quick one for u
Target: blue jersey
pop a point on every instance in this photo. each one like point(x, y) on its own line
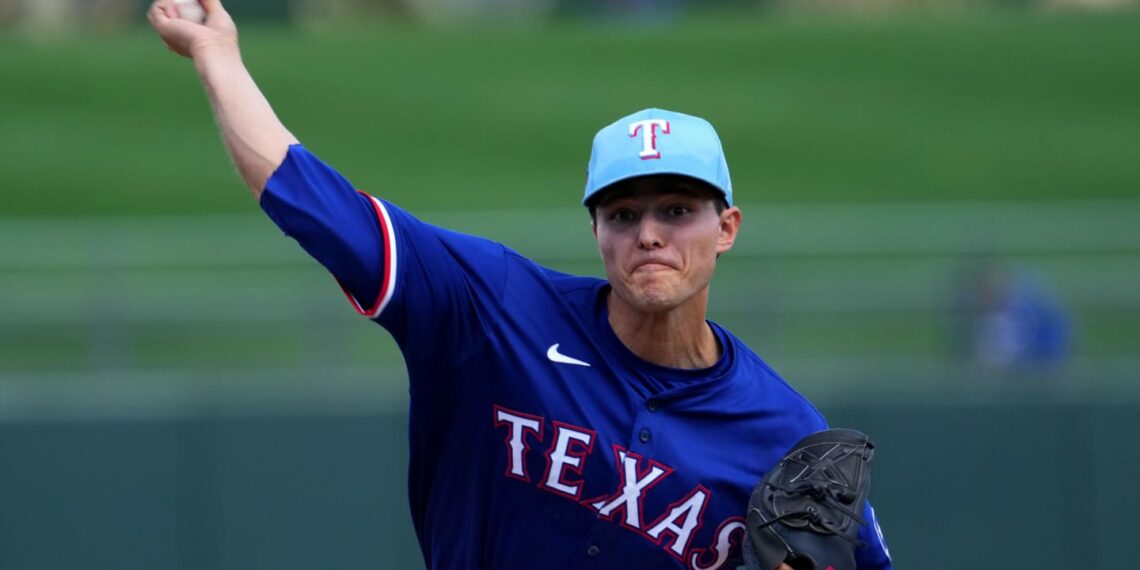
point(537, 439)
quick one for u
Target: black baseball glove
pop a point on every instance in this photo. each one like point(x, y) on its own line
point(806, 511)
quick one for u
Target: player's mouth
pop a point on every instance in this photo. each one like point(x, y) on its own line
point(652, 266)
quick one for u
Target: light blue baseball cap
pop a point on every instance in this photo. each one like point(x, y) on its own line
point(655, 141)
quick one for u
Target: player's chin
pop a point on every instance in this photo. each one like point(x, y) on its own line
point(653, 298)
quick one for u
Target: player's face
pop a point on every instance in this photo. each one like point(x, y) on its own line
point(659, 238)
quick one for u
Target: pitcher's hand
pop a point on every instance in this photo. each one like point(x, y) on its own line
point(187, 38)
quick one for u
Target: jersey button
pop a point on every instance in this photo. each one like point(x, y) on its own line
point(593, 551)
point(644, 435)
point(653, 405)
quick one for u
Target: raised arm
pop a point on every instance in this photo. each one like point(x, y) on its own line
point(255, 138)
point(308, 200)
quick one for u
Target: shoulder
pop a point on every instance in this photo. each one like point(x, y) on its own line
point(765, 387)
point(565, 284)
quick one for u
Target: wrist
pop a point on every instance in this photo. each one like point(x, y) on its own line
point(215, 52)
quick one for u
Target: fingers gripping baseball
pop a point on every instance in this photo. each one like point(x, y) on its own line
point(186, 37)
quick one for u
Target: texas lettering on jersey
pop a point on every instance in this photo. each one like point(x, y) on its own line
point(571, 446)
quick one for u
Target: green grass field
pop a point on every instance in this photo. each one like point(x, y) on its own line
point(976, 108)
point(1021, 112)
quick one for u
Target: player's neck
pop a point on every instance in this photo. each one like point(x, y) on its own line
point(678, 338)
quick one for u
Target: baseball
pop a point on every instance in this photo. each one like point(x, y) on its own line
point(190, 10)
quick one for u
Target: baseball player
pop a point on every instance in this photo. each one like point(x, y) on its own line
point(556, 421)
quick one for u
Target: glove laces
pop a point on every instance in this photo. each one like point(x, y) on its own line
point(822, 493)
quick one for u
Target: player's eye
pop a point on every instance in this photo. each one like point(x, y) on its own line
point(678, 211)
point(622, 216)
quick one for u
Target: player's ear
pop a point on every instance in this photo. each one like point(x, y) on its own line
point(729, 227)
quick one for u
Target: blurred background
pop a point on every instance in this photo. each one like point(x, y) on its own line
point(941, 247)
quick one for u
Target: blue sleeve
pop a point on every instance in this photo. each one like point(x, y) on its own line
point(336, 225)
point(875, 555)
point(445, 293)
point(435, 290)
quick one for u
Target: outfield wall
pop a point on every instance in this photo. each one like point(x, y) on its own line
point(956, 485)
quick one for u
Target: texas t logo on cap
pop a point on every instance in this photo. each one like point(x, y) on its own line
point(648, 129)
point(653, 142)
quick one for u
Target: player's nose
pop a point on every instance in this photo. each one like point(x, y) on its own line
point(650, 233)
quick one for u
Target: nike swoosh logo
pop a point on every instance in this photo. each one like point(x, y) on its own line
point(555, 356)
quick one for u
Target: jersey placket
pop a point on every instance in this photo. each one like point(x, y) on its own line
point(594, 550)
point(645, 427)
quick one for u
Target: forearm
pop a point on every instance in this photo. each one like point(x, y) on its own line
point(255, 138)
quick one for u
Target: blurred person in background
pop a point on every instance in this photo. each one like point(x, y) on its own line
point(9, 12)
point(62, 16)
point(629, 12)
point(1008, 320)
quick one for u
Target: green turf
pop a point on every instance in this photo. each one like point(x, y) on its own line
point(833, 113)
point(1013, 107)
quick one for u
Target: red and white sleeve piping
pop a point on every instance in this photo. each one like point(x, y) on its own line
point(388, 275)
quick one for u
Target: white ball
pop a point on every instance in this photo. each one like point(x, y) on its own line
point(190, 10)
